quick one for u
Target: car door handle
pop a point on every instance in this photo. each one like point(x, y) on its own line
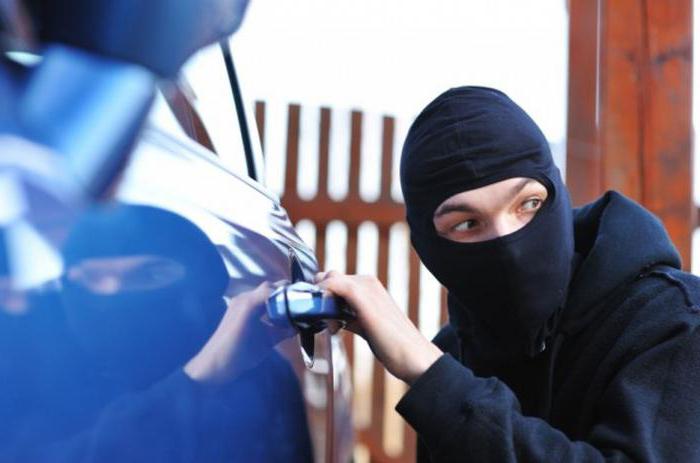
point(306, 307)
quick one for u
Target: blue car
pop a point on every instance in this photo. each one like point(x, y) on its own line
point(162, 222)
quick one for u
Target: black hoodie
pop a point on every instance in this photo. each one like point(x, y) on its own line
point(617, 381)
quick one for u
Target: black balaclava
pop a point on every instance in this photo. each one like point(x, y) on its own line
point(467, 138)
point(138, 335)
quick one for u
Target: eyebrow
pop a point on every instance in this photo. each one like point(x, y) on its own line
point(449, 208)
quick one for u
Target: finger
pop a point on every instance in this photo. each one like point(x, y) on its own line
point(253, 297)
point(263, 285)
point(320, 276)
point(346, 287)
point(336, 283)
point(263, 290)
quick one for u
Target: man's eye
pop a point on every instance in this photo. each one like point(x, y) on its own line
point(465, 226)
point(531, 205)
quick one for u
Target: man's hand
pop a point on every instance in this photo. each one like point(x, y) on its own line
point(394, 339)
point(241, 341)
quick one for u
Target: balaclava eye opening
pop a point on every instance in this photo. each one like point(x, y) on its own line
point(467, 138)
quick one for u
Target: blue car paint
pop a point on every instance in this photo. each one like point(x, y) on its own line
point(157, 34)
point(89, 106)
point(86, 108)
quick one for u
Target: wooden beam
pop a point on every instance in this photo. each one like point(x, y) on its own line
point(630, 96)
point(260, 122)
point(667, 181)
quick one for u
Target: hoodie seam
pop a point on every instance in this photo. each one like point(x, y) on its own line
point(664, 391)
point(690, 305)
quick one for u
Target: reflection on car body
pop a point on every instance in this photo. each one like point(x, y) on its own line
point(256, 241)
point(144, 284)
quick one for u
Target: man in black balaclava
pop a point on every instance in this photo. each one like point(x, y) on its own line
point(572, 333)
point(515, 283)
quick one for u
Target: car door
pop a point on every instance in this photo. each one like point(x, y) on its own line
point(197, 159)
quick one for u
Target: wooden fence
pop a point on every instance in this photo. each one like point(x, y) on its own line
point(384, 442)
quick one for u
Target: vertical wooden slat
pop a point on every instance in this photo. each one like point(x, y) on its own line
point(378, 383)
point(321, 244)
point(413, 284)
point(353, 194)
point(186, 114)
point(330, 404)
point(355, 153)
point(444, 316)
point(292, 164)
point(323, 152)
point(351, 250)
point(351, 266)
point(409, 450)
point(387, 157)
point(583, 162)
point(260, 122)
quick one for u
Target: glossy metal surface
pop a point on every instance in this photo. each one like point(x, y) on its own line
point(241, 218)
point(257, 243)
point(88, 110)
point(305, 306)
point(92, 118)
point(140, 280)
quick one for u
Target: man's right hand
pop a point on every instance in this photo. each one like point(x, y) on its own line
point(393, 338)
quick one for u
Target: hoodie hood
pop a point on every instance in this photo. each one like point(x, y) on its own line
point(617, 240)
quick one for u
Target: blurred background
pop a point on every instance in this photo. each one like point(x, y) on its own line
point(334, 86)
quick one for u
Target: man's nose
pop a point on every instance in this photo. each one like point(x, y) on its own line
point(505, 225)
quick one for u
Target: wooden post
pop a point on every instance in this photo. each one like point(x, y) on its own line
point(630, 97)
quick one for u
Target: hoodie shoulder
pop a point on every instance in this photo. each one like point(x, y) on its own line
point(618, 240)
point(687, 284)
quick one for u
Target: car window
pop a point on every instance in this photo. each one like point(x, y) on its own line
point(205, 79)
point(162, 116)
